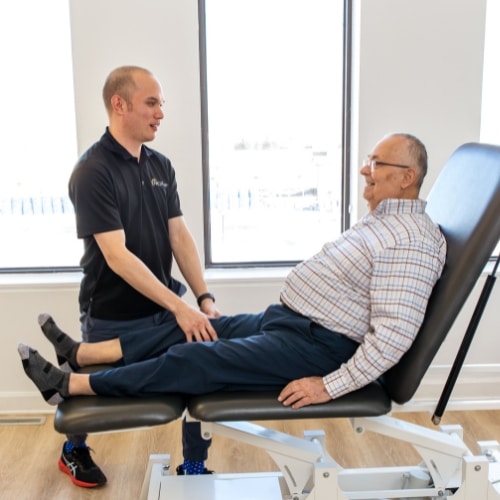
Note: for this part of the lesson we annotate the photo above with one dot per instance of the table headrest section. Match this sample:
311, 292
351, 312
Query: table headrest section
465, 202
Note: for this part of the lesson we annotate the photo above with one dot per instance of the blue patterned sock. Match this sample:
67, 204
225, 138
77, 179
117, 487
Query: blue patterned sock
193, 467
69, 446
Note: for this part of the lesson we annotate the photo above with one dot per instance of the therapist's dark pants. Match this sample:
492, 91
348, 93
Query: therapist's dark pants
253, 352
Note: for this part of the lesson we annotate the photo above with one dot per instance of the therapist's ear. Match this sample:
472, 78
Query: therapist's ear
118, 104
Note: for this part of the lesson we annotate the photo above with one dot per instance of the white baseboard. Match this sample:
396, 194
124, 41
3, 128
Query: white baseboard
23, 402
477, 388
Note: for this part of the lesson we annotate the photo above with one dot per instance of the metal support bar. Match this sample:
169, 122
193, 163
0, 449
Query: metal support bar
465, 345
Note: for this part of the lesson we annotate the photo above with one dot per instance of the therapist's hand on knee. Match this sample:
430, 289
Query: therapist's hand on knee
195, 325
304, 392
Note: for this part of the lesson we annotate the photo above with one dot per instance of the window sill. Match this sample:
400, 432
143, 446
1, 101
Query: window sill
39, 280
249, 274
65, 279
212, 276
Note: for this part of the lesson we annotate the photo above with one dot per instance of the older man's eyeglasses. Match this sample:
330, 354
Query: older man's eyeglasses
373, 163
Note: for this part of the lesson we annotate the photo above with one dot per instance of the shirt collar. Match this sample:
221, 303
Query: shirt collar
400, 206
113, 145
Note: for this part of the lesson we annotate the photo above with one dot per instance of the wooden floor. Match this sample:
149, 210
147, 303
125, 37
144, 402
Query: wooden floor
29, 453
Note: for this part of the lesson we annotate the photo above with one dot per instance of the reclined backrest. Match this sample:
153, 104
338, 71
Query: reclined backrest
465, 202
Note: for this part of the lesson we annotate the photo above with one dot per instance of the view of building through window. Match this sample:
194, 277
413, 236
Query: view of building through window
274, 94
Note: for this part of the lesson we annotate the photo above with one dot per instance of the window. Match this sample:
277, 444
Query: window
38, 135
273, 128
490, 113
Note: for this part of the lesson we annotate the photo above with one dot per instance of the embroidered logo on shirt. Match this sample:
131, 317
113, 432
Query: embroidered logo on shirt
157, 183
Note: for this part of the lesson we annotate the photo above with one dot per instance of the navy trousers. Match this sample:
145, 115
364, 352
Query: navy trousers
146, 338
253, 352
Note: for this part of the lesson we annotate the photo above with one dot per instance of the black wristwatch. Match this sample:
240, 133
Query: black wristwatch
204, 296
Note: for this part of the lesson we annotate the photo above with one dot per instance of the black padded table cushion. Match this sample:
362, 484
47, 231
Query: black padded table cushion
370, 401
87, 414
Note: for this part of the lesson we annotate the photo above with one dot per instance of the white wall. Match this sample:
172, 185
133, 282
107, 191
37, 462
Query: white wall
418, 68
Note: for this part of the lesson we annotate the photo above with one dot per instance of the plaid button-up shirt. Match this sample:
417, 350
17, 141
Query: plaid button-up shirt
372, 284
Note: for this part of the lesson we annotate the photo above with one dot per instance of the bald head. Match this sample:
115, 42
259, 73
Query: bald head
416, 152
121, 81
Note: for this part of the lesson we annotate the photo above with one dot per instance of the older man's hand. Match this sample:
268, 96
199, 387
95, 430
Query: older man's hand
304, 392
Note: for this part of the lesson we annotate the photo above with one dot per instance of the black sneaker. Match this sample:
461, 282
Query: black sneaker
81, 468
181, 472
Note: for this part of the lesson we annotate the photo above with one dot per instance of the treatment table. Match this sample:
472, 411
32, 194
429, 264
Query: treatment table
465, 202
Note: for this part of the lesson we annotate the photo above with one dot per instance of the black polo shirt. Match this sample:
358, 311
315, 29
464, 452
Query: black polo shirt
110, 190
